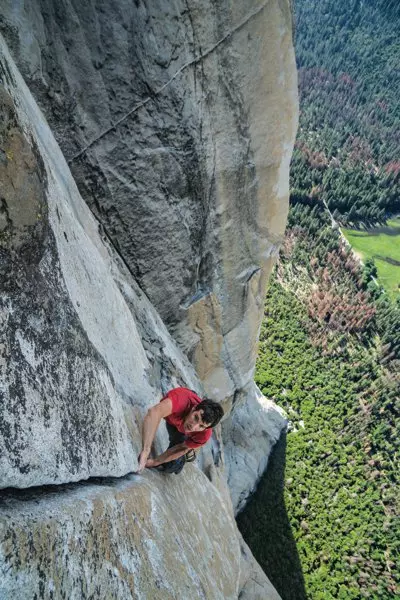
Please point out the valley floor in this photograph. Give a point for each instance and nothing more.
(382, 244)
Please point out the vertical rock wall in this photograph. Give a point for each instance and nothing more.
(83, 351)
(82, 355)
(177, 121)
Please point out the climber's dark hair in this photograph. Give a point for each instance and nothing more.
(212, 412)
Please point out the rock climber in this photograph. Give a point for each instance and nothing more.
(189, 421)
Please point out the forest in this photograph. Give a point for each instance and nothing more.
(330, 356)
(324, 521)
(347, 149)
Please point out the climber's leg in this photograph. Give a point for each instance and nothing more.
(175, 438)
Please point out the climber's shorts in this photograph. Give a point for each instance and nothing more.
(176, 466)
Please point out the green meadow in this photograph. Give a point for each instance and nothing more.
(383, 245)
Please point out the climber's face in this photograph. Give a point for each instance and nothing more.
(194, 421)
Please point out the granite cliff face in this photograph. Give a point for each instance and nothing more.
(177, 122)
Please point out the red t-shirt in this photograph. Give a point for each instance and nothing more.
(183, 401)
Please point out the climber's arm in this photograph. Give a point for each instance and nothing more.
(170, 454)
(150, 424)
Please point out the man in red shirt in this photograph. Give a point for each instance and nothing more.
(189, 421)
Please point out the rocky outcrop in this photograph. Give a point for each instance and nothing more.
(253, 427)
(253, 584)
(83, 355)
(125, 539)
(177, 121)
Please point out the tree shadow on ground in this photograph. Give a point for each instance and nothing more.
(265, 526)
(373, 231)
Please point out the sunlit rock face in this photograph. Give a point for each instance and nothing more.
(83, 351)
(178, 121)
(83, 354)
(253, 427)
(125, 539)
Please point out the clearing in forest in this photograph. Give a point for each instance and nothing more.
(383, 245)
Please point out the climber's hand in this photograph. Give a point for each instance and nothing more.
(151, 462)
(143, 458)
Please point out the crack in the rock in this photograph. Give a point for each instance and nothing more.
(4, 210)
(36, 493)
(158, 91)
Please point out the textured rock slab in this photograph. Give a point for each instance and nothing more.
(254, 584)
(191, 185)
(253, 427)
(179, 121)
(82, 351)
(139, 538)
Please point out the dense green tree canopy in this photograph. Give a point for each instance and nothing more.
(333, 365)
(347, 151)
(324, 521)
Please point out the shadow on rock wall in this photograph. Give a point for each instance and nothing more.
(265, 527)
